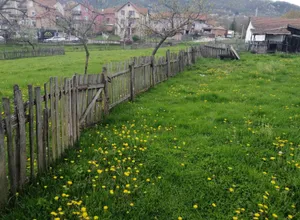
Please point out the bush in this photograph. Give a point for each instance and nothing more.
(135, 38)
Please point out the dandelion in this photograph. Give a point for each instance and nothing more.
(231, 190)
(214, 204)
(235, 218)
(83, 209)
(45, 187)
(111, 192)
(56, 198)
(69, 182)
(96, 217)
(132, 204)
(53, 213)
(105, 207)
(256, 214)
(99, 171)
(148, 180)
(290, 217)
(179, 218)
(195, 206)
(209, 179)
(274, 215)
(286, 189)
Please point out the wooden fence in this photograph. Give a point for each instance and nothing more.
(35, 133)
(40, 52)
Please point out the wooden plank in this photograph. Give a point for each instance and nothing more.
(105, 93)
(235, 53)
(21, 157)
(62, 114)
(10, 146)
(132, 80)
(53, 121)
(89, 99)
(73, 109)
(90, 106)
(57, 118)
(3, 166)
(98, 104)
(66, 114)
(46, 125)
(39, 130)
(45, 137)
(71, 139)
(31, 131)
(77, 107)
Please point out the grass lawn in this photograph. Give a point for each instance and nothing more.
(37, 70)
(219, 141)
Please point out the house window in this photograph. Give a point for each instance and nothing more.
(131, 13)
(122, 12)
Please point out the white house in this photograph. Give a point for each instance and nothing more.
(272, 29)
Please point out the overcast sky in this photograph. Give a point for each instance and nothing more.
(296, 2)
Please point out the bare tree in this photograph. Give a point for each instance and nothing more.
(76, 25)
(171, 17)
(11, 13)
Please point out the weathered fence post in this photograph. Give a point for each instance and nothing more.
(132, 80)
(193, 55)
(153, 71)
(105, 93)
(168, 60)
(3, 166)
(31, 132)
(20, 138)
(10, 146)
(39, 130)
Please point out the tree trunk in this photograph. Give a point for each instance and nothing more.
(158, 45)
(31, 44)
(87, 56)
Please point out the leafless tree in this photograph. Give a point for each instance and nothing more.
(171, 17)
(78, 26)
(11, 12)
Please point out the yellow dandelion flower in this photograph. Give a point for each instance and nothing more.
(69, 182)
(105, 207)
(111, 192)
(83, 209)
(209, 179)
(99, 171)
(290, 217)
(256, 214)
(274, 215)
(96, 217)
(179, 218)
(132, 204)
(53, 213)
(214, 204)
(235, 218)
(231, 190)
(195, 206)
(148, 180)
(56, 198)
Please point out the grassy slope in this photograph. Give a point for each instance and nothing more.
(37, 71)
(223, 135)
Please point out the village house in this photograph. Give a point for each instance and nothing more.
(126, 20)
(269, 34)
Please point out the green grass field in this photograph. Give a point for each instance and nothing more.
(219, 141)
(38, 70)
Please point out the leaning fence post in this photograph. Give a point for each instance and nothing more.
(153, 70)
(39, 132)
(132, 79)
(105, 93)
(10, 146)
(193, 55)
(20, 138)
(3, 175)
(168, 63)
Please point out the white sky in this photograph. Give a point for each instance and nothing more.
(296, 2)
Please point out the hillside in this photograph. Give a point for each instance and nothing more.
(231, 7)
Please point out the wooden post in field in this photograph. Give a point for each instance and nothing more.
(105, 93)
(10, 146)
(168, 60)
(193, 55)
(3, 175)
(31, 131)
(21, 156)
(153, 71)
(39, 130)
(132, 80)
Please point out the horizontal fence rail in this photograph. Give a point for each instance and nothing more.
(39, 52)
(36, 133)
